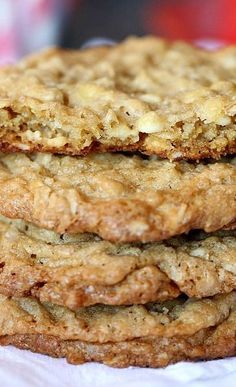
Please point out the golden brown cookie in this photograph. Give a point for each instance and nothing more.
(155, 335)
(145, 94)
(120, 198)
(81, 270)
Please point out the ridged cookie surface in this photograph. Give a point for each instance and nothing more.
(120, 198)
(155, 335)
(81, 270)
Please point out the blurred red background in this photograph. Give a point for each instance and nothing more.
(193, 19)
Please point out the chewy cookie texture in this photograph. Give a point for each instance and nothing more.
(124, 259)
(145, 94)
(152, 335)
(82, 270)
(120, 198)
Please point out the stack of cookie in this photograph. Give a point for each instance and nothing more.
(125, 258)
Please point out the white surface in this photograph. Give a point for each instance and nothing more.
(23, 369)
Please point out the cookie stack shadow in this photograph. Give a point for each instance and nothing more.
(118, 204)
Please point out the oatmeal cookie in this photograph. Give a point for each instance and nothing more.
(120, 198)
(154, 336)
(82, 270)
(146, 94)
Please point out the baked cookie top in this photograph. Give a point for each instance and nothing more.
(82, 270)
(120, 198)
(144, 94)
